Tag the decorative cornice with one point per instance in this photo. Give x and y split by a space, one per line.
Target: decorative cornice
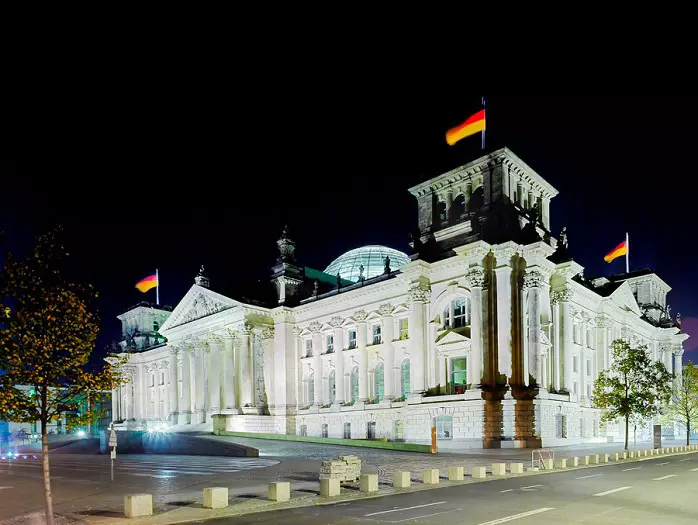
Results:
533 279
360 315
296 331
268 333
314 327
245 329
475 276
385 309
558 296
421 292
164 364
336 321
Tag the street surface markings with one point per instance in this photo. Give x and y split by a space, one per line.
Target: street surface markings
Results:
518 516
424 516
694 470
531 487
687 459
5 488
665 463
665 477
508 490
606 493
590 476
627 469
404 509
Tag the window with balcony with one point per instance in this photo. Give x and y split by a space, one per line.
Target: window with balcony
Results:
352 339
377 334
330 344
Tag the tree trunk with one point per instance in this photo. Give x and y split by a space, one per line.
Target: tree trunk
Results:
47 476
688 430
627 431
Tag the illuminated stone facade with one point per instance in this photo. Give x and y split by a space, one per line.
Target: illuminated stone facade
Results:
490 330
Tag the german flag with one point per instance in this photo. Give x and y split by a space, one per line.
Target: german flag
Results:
471 126
621 249
148 283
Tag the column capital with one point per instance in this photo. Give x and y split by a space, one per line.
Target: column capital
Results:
678 352
602 321
360 316
336 321
164 364
315 326
420 292
475 276
533 279
245 329
296 331
173 350
386 309
268 333
504 253
563 295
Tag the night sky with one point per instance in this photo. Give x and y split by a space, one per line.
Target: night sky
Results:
167 178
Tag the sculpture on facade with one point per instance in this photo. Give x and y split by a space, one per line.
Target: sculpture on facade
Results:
339 281
362 278
316 285
563 237
386 270
678 319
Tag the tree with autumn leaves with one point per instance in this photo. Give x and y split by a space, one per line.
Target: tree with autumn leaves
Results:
48 331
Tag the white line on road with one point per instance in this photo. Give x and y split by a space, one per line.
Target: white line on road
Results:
592 476
531 487
613 490
687 459
665 477
694 470
627 469
517 516
665 463
508 490
405 508
1 488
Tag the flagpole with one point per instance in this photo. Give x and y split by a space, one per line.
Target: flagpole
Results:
484 109
627 253
157 287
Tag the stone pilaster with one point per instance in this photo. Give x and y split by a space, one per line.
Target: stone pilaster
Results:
173 386
533 280
564 322
476 279
184 416
269 365
678 365
338 334
419 297
245 372
214 376
503 271
317 361
362 357
200 382
388 333
228 372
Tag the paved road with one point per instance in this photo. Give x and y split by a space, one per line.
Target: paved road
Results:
658 490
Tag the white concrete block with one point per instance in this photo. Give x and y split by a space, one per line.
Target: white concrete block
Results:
574 461
479 472
279 491
215 497
456 473
137 505
561 463
516 468
431 476
594 459
584 460
623 455
547 464
631 454
329 487
402 479
499 469
368 483
605 458
616 456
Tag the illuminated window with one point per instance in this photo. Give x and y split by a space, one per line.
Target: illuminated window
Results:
352 338
456 314
380 382
330 344
376 334
404 329
308 348
459 374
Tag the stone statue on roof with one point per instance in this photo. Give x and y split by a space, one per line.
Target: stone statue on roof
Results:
563 237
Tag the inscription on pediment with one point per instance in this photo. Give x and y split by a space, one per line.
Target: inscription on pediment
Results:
201 305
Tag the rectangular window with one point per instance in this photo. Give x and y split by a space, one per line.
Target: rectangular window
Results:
590 339
371 430
377 334
589 391
576 332
575 364
308 348
446 317
347 430
304 430
352 338
459 376
404 329
324 430
330 344
588 367
576 389
459 313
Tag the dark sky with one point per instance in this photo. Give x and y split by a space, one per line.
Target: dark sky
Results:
146 177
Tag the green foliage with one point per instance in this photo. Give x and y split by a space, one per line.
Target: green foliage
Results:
47 339
633 388
684 399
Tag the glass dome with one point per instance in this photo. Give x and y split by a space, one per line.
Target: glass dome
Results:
371 257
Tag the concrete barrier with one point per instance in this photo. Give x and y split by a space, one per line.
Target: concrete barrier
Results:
137 505
499 469
605 458
402 479
215 497
584 460
561 463
516 468
279 491
616 456
430 476
329 487
594 459
631 454
479 472
574 461
456 474
547 464
368 483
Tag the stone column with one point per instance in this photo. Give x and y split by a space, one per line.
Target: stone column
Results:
157 416
678 366
140 391
172 387
419 296
338 335
228 373
388 333
467 194
449 203
269 365
115 404
505 179
199 384
583 364
245 373
362 357
520 194
476 280
546 213
503 273
214 377
317 361
533 279
557 337
185 406
567 324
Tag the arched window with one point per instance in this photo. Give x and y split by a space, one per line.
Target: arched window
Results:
333 387
457 208
405 378
311 389
456 314
380 382
355 384
441 211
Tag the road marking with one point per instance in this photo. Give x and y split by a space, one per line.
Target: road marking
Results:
606 493
508 490
664 477
517 516
592 476
694 470
531 487
404 508
665 463
687 459
627 469
1 488
424 516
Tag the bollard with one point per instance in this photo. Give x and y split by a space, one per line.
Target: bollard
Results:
547 464
137 505
605 458
456 474
215 497
430 476
574 461
631 454
479 473
594 459
402 479
329 487
516 468
499 469
616 456
279 491
584 460
623 455
368 483
561 463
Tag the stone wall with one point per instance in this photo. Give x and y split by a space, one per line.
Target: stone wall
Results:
250 423
564 423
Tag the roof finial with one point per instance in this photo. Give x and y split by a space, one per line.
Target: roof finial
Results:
287 247
201 278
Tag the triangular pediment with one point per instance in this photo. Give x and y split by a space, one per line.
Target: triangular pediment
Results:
452 338
624 298
197 303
